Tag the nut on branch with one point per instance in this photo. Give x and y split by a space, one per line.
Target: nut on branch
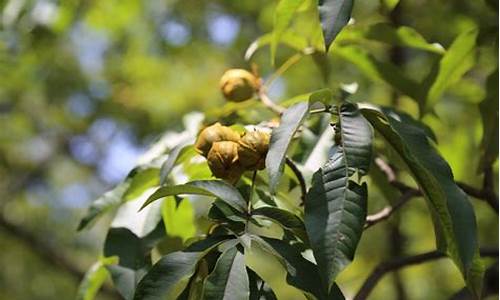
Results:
213 134
223 161
252 151
238 85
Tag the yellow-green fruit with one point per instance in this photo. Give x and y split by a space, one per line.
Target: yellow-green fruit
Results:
223 161
238 85
212 134
252 150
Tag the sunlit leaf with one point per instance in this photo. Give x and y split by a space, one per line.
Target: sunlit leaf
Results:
285 10
95 278
178 219
281 137
335 208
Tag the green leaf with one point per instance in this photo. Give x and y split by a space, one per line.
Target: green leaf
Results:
489 114
170 275
401 36
458 59
105 203
134 257
283 217
281 138
380 71
335 208
179 219
214 188
141 181
229 279
94 278
169 164
389 5
334 15
288 38
453 215
285 10
302 273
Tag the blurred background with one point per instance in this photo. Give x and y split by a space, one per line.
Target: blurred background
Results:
86 86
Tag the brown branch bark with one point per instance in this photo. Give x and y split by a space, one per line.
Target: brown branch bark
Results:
398 263
387 211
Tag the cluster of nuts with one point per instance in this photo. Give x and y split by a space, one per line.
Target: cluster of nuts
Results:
229 154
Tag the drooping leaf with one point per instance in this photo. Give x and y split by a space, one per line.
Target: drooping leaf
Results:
400 36
134 257
380 71
283 217
280 141
302 273
285 10
169 164
334 15
453 215
271 270
489 114
335 207
170 275
458 59
214 188
105 203
95 278
229 279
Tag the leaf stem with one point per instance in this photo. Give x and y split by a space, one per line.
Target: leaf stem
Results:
300 178
264 98
283 68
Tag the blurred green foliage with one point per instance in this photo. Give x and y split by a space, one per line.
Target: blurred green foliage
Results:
87 86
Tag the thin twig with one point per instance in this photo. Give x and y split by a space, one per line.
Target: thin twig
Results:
398 263
264 98
387 211
300 178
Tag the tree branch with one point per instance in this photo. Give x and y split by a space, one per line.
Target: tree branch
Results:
264 98
399 263
486 195
300 178
387 211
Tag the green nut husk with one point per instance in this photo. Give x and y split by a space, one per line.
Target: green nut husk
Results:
212 134
252 151
224 162
238 85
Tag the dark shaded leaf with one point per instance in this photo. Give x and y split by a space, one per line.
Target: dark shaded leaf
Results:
229 279
335 208
169 164
334 15
170 275
214 188
489 114
453 215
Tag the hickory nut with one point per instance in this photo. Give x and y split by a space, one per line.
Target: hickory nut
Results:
252 150
213 134
238 85
223 161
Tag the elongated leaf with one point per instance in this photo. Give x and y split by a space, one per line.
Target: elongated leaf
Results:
169 164
214 188
280 141
334 15
282 17
104 204
335 208
401 36
380 71
229 280
285 218
489 114
288 38
134 257
179 219
302 273
459 58
453 215
170 275
95 278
